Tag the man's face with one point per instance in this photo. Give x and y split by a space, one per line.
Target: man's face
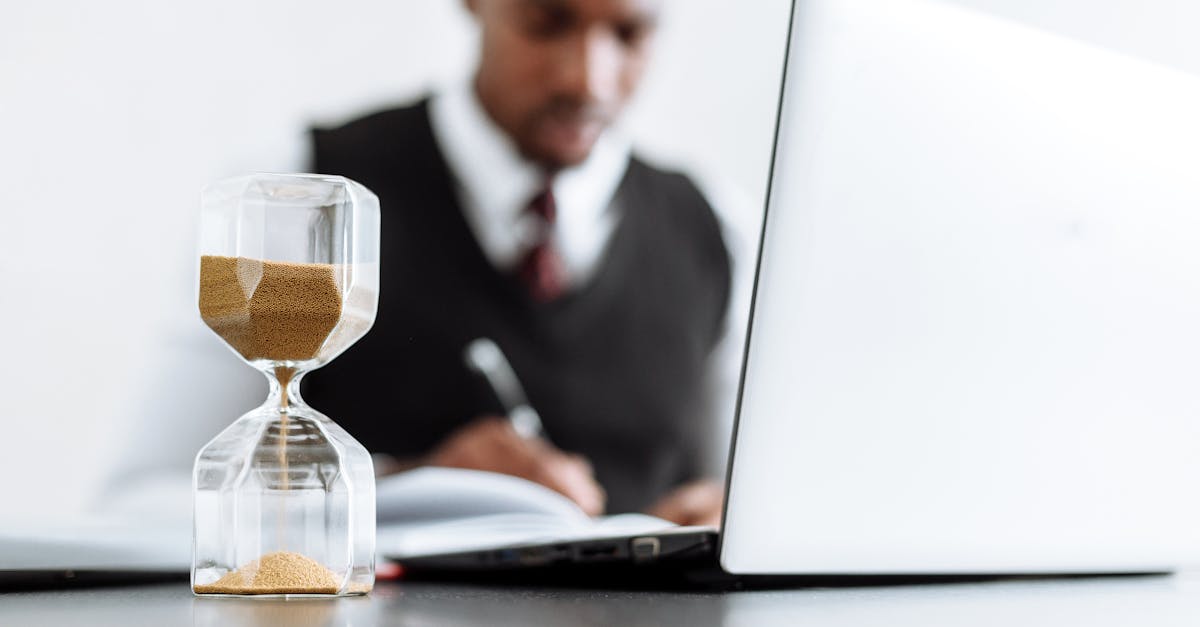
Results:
555 73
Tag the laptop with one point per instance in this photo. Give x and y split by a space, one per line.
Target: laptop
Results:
976 318
91 551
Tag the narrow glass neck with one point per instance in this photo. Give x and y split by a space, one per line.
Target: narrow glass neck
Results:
284 392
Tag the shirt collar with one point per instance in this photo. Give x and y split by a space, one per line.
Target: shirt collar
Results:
495 183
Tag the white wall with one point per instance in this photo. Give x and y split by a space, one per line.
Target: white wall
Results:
1160 31
114 114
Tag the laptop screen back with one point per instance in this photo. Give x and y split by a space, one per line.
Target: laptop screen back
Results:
975 344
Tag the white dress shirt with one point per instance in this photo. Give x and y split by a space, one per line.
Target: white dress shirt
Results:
495 184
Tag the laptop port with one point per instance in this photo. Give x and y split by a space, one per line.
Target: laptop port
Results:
644 549
560 552
598 551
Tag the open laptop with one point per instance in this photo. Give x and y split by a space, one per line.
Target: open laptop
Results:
88 551
974 338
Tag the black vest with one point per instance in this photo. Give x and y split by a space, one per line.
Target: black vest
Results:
615 367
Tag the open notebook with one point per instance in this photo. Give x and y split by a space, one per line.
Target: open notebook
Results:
421 512
446 510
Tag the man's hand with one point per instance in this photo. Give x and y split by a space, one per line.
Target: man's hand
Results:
695 503
490 443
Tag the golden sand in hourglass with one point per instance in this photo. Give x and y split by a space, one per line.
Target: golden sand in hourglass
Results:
276 573
271 310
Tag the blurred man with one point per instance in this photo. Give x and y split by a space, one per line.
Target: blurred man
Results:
511 212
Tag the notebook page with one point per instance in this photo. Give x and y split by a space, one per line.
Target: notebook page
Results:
432 493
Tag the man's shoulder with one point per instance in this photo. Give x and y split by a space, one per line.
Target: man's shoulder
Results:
390 132
404 117
678 192
661 176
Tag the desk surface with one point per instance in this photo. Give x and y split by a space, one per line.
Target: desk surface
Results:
1120 601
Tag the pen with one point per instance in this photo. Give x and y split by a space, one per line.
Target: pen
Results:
483 356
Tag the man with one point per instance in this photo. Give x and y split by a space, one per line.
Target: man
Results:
510 213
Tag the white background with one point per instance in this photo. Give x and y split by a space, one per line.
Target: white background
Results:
113 114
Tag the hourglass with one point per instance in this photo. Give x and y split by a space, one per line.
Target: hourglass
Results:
289 278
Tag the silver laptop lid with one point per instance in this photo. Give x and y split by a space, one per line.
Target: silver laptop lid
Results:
975 345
